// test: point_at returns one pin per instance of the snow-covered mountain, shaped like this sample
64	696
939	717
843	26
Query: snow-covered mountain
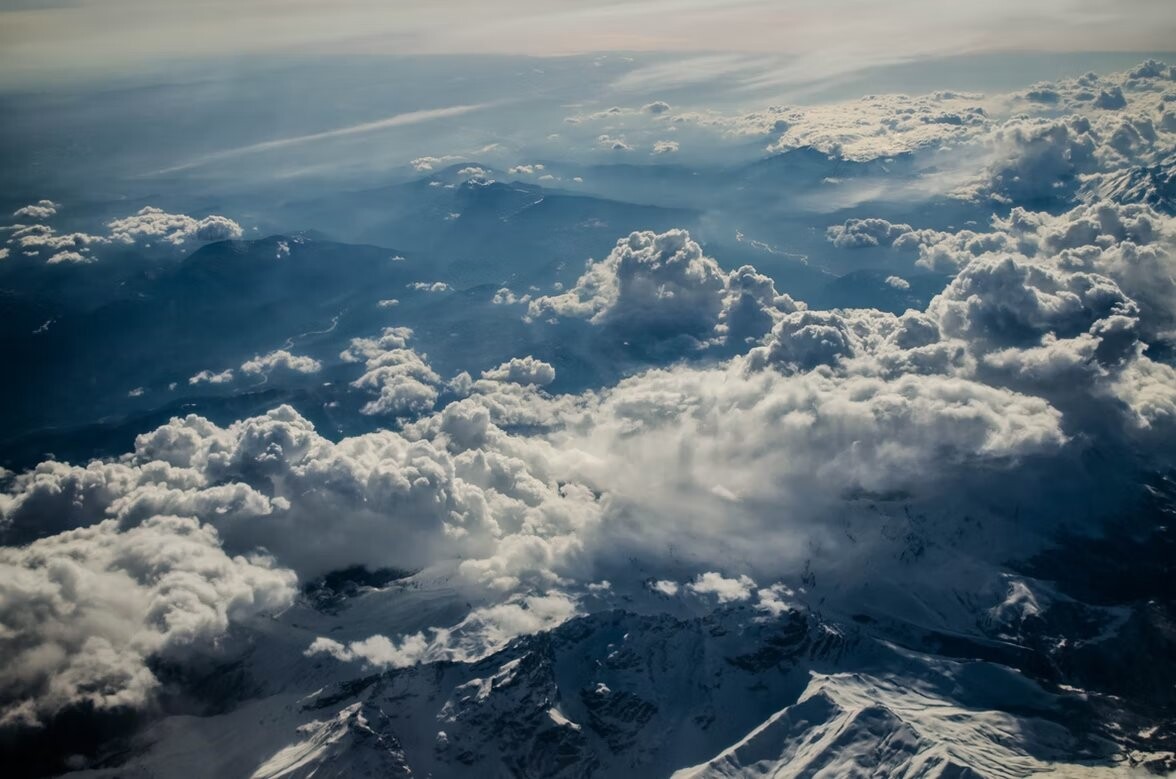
646	685
1153	185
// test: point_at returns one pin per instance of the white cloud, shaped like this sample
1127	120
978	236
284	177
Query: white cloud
83	613
506	297
1132	245
484	631
776	600
264	364
665	147
761	461
69	258
399	377
475	174
835	437
665	587
424	164
862	233
208	377
723	589
661	287
1037	159
874	127
155	224
526	370
42	209
606	141
435	286
38	237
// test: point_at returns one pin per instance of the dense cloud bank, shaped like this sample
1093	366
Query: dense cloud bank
762	460
1101	135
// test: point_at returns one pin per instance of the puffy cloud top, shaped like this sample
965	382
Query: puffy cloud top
83	613
525	370
156	224
661	286
263	364
400	378
861	233
42	209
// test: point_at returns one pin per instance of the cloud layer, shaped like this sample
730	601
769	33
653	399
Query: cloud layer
756	436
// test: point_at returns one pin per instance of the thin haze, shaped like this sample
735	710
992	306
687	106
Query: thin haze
828	37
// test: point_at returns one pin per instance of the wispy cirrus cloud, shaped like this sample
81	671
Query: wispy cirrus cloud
387	123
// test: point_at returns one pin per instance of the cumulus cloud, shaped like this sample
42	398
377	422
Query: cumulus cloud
861	233
1132	245
83	613
665	587
606	141
655	287
149	224
526	370
38	237
69	258
426	286
208	377
426	164
1034	146
665	147
1038	159
506	297
761	460
1063	306
475	175
263	364
399	377
531	508
1115	127
155	224
268	481
42	209
1111	98
723	589
874	127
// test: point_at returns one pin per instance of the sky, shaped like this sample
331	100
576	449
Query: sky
72	38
